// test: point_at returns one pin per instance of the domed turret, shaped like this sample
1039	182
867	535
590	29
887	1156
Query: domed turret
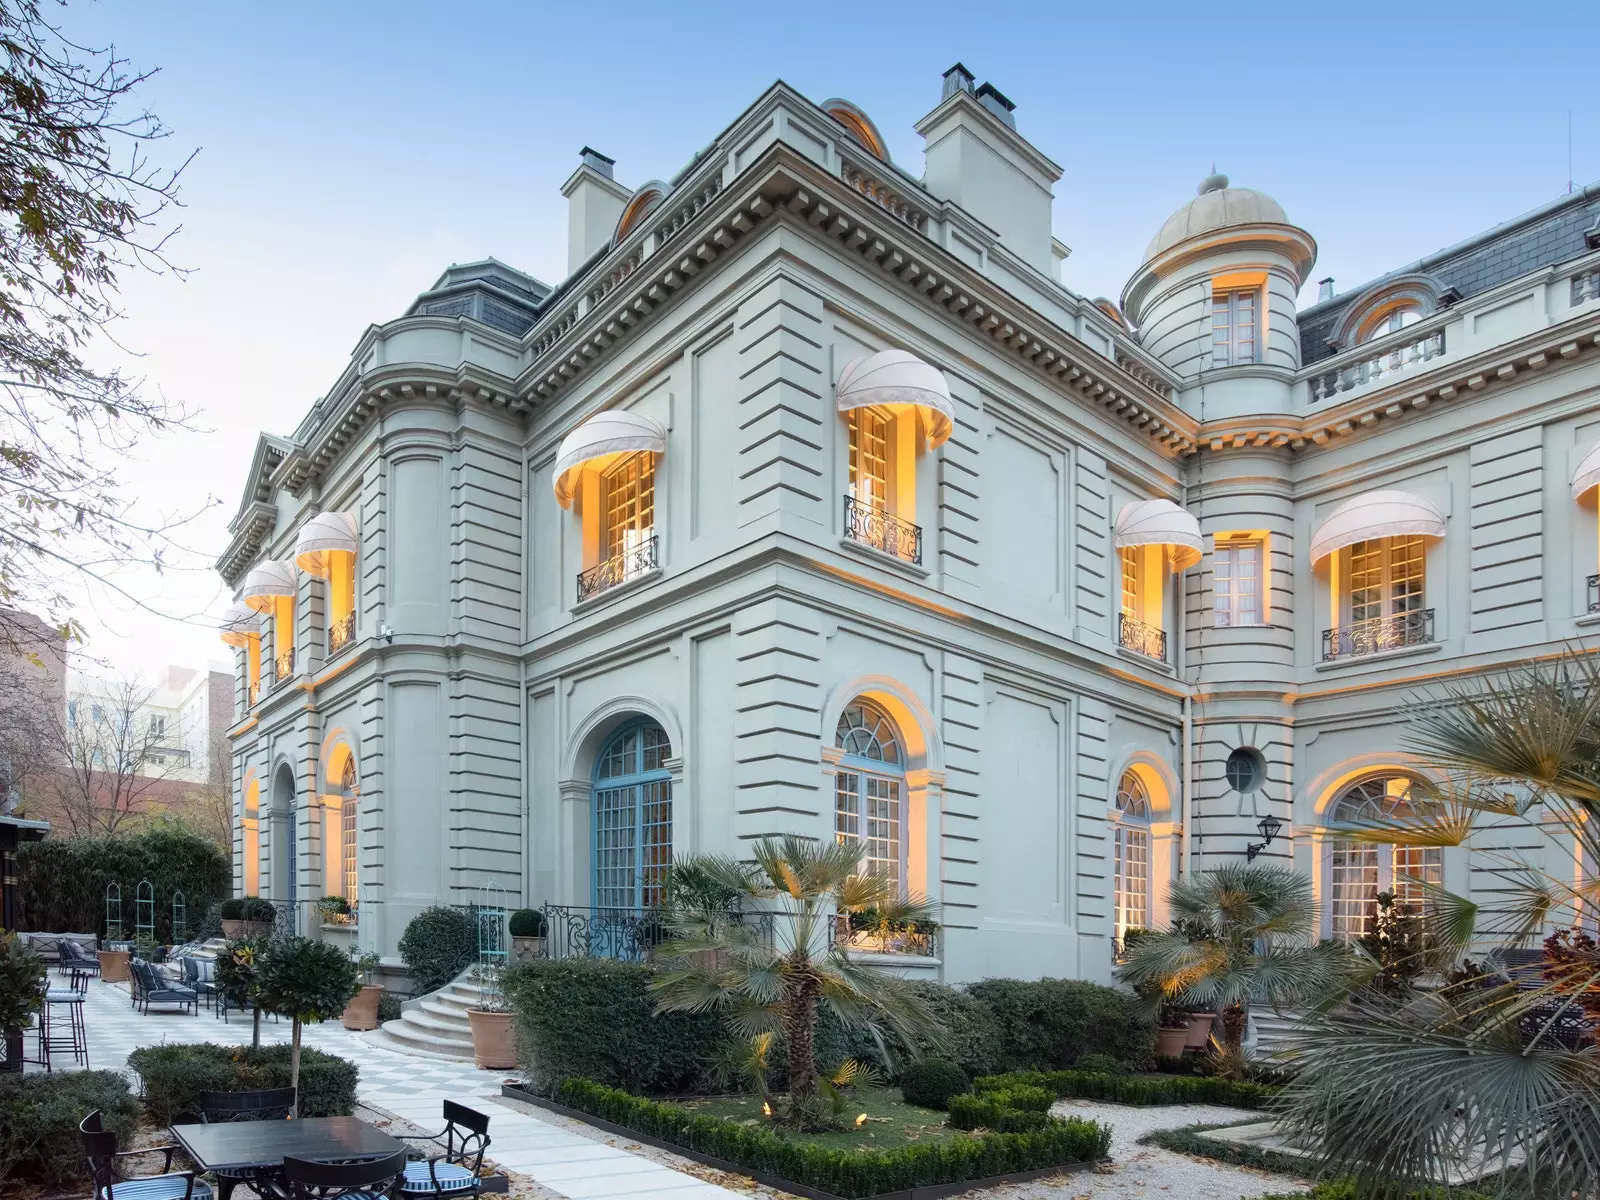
1216	206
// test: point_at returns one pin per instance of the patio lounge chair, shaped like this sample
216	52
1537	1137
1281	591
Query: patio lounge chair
199	974
457	1171
100	1146
149	988
70	957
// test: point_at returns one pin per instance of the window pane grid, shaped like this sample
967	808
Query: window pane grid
1387	577
869	458
348	821
1131	880
1233	328
633	820
628	498
1130	582
1353	876
1236	583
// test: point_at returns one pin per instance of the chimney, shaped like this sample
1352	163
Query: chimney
975	158
1325	289
595	201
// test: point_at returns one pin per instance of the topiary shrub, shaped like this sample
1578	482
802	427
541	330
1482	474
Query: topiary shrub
307	982
254	908
231	909
1101	1064
1045	1024
172	1077
932	1081
438	944
526	922
39	1117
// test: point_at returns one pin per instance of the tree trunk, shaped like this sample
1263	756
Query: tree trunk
255	1025
294	1065
799	1031
1235	1020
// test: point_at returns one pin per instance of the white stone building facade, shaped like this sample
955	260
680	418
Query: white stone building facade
813	502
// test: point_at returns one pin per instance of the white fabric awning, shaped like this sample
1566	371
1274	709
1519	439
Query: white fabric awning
1161	523
896	379
604	436
265	583
1375	515
238	623
329	531
1587	476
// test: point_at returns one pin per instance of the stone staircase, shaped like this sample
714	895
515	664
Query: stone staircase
436	1024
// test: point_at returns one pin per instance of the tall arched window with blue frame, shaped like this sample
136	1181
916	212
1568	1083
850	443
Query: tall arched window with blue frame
632	818
869	790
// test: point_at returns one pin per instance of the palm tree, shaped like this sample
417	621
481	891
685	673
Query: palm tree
772	978
1241	935
1489	1072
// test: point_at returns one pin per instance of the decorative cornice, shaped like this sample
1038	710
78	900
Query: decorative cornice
252	527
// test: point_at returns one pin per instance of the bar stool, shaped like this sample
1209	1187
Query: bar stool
75	1037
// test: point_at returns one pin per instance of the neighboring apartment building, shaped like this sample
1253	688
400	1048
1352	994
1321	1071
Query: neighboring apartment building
811	501
177	722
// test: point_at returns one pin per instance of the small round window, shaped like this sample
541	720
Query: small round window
1246	769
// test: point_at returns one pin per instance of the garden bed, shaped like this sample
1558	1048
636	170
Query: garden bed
1136	1089
843	1166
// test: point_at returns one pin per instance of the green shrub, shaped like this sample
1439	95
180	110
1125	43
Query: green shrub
1101	1064
62	880
438	944
1136	1089
847	1173
254	908
596	1019
932	1081
992	1113
39	1117
1051	1023
232	909
526	922
388	1007
972	1036
172	1077
22	983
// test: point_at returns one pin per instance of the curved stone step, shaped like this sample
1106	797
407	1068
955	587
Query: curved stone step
437	1041
418	1049
443	1024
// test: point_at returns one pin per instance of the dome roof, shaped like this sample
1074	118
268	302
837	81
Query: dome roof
1216	206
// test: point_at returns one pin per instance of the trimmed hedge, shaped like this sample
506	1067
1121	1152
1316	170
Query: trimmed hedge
931	1083
1134	1089
1049	1024
172	1077
848	1173
437	945
1006	1110
39	1117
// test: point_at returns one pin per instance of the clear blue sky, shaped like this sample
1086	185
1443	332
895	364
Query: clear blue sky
351	151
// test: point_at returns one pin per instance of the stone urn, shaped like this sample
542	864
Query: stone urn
238	929
1170	1042
114	965
494	1044
526	947
362	1011
1199	1031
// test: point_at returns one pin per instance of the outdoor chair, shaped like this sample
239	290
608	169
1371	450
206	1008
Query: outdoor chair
64	1002
148	988
302	1180
457	1171
267	1104
199	974
100	1147
72	957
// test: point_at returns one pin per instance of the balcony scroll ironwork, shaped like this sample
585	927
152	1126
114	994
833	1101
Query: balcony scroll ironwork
283	665
626	564
1135	635
1378	634
1594	593
873	527
342	632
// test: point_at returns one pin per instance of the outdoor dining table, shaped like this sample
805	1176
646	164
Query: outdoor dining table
238	1146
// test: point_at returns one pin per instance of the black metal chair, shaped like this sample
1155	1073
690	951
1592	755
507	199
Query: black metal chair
267	1104
457	1171
100	1147
197	975
147	988
303	1180
72	957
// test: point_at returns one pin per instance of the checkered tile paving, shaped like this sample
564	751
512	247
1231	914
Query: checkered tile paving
411	1089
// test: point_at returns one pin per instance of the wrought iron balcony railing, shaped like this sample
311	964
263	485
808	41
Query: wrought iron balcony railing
254	688
853	932
1378	634
283	665
342	632
1135	635
1594	593
873	527
619	568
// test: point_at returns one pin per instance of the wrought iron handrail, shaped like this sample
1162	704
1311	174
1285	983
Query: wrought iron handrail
1133	634
873	527
1378	634
1594	593
283	665
342	632
619	568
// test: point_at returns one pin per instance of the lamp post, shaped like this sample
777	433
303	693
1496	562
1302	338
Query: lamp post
1268	827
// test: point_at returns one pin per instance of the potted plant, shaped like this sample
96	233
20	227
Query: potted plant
1199	1030
114	965
362	1011
1173	1035
494	1043
527	933
307	982
247	916
335	910
22	985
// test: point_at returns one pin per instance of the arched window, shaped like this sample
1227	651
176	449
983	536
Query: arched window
1358	871
869	789
1395	319
1130	857
349	823
632	818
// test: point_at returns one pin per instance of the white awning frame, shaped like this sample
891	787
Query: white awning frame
1384	513
604	436
267	582
1161	523
325	533
1587	477
238	623
897	379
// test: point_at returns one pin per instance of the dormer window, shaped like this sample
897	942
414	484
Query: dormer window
1393	321
1235	327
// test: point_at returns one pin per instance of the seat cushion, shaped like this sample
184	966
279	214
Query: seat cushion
63	996
159	1187
452	1178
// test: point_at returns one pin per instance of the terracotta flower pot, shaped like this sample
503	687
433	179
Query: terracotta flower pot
114	965
1199	1030
362	1011
239	929
1169	1042
494	1045
526	947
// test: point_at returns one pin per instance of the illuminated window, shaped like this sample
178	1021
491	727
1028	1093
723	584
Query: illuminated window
349	825
868	790
632	819
1130	871
252	838
341	600
1393	321
283	636
1235	327
1358	871
628	498
869	457
1131	606
1386	578
1237	576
